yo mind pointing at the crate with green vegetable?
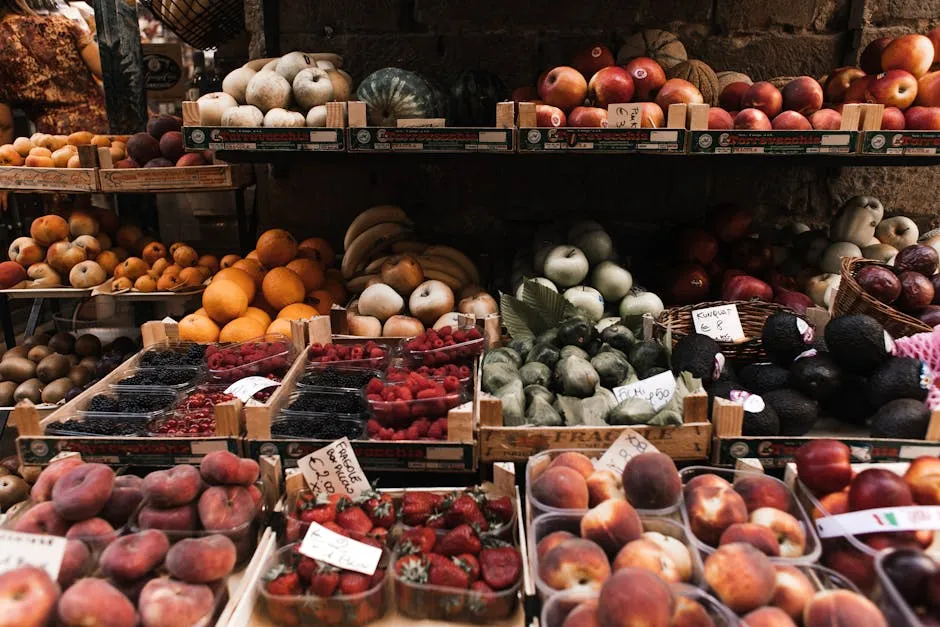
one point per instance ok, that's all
(567, 381)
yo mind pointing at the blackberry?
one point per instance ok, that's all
(331, 377)
(192, 356)
(104, 404)
(316, 428)
(96, 426)
(130, 403)
(331, 403)
(167, 376)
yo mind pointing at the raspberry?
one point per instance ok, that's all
(411, 433)
(445, 330)
(451, 384)
(374, 386)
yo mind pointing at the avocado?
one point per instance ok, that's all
(763, 377)
(695, 353)
(797, 413)
(56, 391)
(850, 401)
(52, 367)
(646, 355)
(17, 369)
(857, 343)
(618, 336)
(903, 419)
(898, 377)
(817, 376)
(62, 343)
(568, 351)
(783, 339)
(576, 331)
(760, 420)
(87, 345)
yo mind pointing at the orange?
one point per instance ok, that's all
(281, 326)
(253, 269)
(196, 328)
(336, 290)
(211, 262)
(309, 272)
(322, 300)
(228, 261)
(224, 301)
(282, 287)
(241, 330)
(239, 277)
(276, 247)
(253, 255)
(201, 312)
(297, 311)
(191, 276)
(258, 314)
(319, 250)
(260, 303)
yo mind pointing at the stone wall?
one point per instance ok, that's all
(483, 202)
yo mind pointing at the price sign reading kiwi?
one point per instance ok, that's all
(627, 446)
(658, 390)
(720, 323)
(334, 469)
(324, 545)
(28, 549)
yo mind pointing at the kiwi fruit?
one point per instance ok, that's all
(79, 375)
(87, 346)
(73, 359)
(62, 343)
(17, 351)
(122, 346)
(56, 391)
(88, 363)
(37, 339)
(17, 369)
(30, 389)
(7, 388)
(37, 353)
(53, 367)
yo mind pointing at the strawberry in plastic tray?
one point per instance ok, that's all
(399, 404)
(435, 348)
(366, 354)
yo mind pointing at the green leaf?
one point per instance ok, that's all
(551, 305)
(522, 322)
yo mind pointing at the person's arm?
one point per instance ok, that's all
(92, 58)
(6, 124)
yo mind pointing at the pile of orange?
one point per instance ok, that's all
(279, 281)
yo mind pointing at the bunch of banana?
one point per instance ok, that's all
(381, 233)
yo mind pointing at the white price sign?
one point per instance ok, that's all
(324, 545)
(28, 549)
(627, 446)
(886, 519)
(720, 323)
(658, 390)
(334, 469)
(244, 389)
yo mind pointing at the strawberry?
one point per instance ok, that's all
(500, 567)
(306, 567)
(379, 508)
(365, 538)
(324, 581)
(418, 540)
(485, 602)
(416, 507)
(380, 534)
(412, 569)
(470, 564)
(377, 577)
(332, 526)
(283, 581)
(436, 521)
(461, 539)
(499, 510)
(354, 583)
(465, 511)
(446, 573)
(351, 517)
(320, 510)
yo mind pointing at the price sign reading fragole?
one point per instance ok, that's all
(334, 469)
(627, 446)
(324, 545)
(28, 549)
(720, 323)
(658, 390)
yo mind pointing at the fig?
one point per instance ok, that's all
(916, 291)
(930, 315)
(917, 258)
(880, 283)
(935, 280)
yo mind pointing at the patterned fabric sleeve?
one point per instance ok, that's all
(83, 38)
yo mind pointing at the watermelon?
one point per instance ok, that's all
(392, 94)
(473, 98)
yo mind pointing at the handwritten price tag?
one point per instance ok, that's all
(658, 390)
(27, 549)
(627, 446)
(719, 323)
(334, 469)
(624, 116)
(914, 518)
(244, 389)
(324, 545)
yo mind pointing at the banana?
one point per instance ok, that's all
(443, 264)
(459, 258)
(371, 217)
(376, 265)
(408, 246)
(360, 283)
(452, 282)
(369, 243)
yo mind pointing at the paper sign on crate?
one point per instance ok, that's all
(324, 545)
(886, 519)
(658, 390)
(627, 446)
(244, 389)
(334, 469)
(720, 323)
(28, 549)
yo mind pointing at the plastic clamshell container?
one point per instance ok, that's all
(165, 346)
(351, 423)
(402, 413)
(336, 395)
(190, 372)
(349, 610)
(447, 354)
(353, 374)
(168, 398)
(277, 361)
(540, 461)
(571, 521)
(557, 608)
(813, 549)
(136, 424)
(504, 531)
(896, 609)
(181, 415)
(377, 363)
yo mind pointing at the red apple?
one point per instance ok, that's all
(593, 59)
(928, 90)
(526, 93)
(563, 87)
(934, 36)
(826, 120)
(791, 121)
(870, 60)
(547, 116)
(719, 119)
(764, 96)
(752, 120)
(648, 77)
(911, 53)
(697, 245)
(839, 81)
(896, 88)
(730, 97)
(687, 284)
(922, 119)
(677, 90)
(877, 487)
(824, 465)
(651, 115)
(730, 222)
(746, 287)
(588, 117)
(803, 95)
(610, 85)
(892, 119)
(797, 301)
(858, 89)
(752, 256)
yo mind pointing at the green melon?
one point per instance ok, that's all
(699, 74)
(660, 45)
(393, 94)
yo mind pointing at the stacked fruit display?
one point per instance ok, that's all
(912, 573)
(279, 281)
(405, 286)
(58, 151)
(289, 91)
(909, 283)
(161, 146)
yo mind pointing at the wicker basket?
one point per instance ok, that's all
(852, 299)
(203, 24)
(752, 313)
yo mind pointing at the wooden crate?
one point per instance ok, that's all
(690, 441)
(895, 143)
(48, 179)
